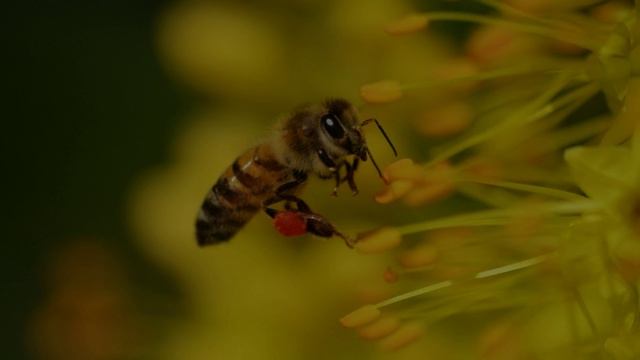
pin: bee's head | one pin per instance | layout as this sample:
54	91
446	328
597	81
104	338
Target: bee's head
325	134
339	130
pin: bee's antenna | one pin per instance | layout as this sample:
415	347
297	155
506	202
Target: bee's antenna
376	166
384	133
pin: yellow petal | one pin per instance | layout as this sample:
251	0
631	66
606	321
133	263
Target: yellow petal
381	92
611	12
407	25
422	256
404	169
360	317
492	45
394	191
381	327
483	168
498	340
429	193
445	120
378	241
405	335
453	69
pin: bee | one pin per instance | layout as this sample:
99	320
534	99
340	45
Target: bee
320	139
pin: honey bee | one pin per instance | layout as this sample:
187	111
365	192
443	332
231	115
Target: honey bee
319	140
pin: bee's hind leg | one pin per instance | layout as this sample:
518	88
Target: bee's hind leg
283	194
289	200
316	224
271	212
319	226
300	204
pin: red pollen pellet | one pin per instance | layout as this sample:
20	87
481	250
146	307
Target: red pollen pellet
290	223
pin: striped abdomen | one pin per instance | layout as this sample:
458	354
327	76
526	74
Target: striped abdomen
239	194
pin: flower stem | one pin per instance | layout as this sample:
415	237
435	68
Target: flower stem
499	216
534	189
481	275
414	293
551	66
536	29
533	111
585	311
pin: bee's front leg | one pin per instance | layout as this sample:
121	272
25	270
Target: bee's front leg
339	180
349	177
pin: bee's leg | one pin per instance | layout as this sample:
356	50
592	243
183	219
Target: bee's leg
316	224
339	180
282	196
355	163
282	193
300	204
271	212
319	226
333	167
349	177
287	206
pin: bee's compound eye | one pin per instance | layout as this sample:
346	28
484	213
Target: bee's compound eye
332	125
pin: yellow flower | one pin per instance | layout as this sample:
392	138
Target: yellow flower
552	244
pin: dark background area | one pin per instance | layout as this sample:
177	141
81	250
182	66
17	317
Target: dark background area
89	107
